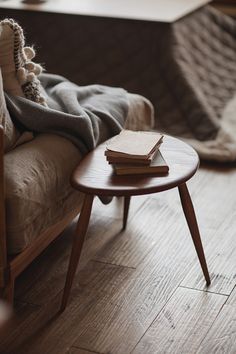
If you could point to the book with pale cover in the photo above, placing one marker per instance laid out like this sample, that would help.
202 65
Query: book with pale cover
157 166
133 144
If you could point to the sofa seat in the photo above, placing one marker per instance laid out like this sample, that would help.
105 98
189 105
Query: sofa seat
38 192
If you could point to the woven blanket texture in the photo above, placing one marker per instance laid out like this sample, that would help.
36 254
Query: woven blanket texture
199 67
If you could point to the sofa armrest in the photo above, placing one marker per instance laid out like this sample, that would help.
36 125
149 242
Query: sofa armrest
3 246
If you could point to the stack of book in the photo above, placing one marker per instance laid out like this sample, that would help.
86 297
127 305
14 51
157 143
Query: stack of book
136 152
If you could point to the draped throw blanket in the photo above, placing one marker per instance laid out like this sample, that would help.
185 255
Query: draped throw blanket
86 115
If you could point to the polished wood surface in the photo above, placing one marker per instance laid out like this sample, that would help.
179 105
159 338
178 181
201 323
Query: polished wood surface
95 176
140 287
150 10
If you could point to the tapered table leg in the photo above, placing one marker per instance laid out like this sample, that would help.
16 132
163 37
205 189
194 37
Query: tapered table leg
126 211
78 241
193 227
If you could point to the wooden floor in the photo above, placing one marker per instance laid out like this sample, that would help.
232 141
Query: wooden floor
139 291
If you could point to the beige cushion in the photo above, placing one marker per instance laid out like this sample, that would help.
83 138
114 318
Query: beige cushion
38 193
11 133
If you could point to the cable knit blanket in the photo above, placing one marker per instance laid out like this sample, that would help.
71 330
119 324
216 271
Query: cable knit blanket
86 115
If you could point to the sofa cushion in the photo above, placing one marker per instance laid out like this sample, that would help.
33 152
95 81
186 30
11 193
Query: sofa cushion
38 192
11 134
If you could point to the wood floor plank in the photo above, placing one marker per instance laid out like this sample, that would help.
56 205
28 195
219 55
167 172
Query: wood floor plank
222 336
182 324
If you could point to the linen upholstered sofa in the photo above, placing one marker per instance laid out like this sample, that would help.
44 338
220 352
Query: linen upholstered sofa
36 199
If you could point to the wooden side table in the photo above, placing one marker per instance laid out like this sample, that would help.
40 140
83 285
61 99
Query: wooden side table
94 176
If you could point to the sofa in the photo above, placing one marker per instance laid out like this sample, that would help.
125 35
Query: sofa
36 199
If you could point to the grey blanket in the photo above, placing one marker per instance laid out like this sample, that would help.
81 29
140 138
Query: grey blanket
86 115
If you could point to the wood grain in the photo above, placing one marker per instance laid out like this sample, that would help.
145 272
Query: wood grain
182 324
222 336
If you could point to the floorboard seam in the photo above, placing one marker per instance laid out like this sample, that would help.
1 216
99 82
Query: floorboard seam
203 290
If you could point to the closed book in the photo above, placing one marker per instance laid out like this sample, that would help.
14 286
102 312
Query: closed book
130 160
157 166
135 144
